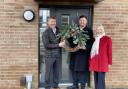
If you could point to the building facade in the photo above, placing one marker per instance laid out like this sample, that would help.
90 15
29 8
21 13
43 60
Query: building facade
21 49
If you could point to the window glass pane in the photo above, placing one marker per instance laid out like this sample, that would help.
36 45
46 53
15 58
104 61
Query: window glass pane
65 19
44 14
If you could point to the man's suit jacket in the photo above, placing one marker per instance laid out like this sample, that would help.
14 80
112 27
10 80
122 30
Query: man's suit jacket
51 43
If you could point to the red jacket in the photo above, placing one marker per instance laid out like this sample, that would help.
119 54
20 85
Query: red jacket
100 62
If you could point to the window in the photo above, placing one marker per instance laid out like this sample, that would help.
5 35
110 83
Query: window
43 15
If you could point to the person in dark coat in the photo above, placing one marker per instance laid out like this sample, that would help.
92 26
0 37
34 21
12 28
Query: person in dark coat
79 65
101 56
52 54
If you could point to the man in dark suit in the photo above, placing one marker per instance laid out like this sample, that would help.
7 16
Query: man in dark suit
79 65
52 54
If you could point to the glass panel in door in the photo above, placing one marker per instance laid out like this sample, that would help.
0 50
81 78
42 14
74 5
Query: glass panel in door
44 13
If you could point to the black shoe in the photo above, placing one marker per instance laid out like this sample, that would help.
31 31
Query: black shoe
56 88
82 87
73 87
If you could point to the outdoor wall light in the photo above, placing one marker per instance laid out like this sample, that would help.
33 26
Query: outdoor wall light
28 15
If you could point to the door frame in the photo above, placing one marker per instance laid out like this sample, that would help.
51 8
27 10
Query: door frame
53 7
52 12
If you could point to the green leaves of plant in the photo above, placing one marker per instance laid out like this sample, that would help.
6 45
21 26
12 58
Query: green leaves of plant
79 36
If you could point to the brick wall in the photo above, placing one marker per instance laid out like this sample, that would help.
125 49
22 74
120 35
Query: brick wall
113 14
18 43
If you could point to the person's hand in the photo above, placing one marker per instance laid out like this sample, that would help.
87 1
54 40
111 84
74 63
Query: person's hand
109 66
81 47
62 44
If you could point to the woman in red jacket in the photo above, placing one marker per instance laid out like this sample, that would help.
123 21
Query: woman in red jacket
101 56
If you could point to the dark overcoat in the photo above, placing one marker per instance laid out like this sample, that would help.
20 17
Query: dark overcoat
79 60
